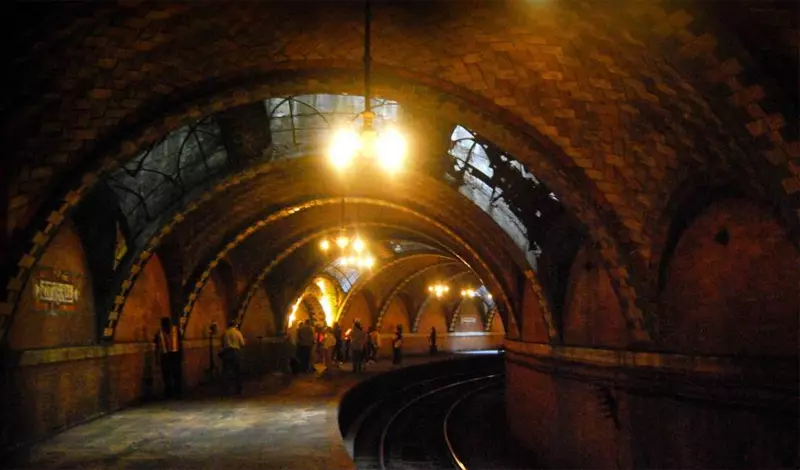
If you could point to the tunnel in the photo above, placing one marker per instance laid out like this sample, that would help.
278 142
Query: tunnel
590 208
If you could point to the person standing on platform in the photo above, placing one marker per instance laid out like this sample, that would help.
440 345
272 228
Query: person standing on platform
305 341
337 349
432 342
397 346
357 340
375 341
232 344
168 349
328 343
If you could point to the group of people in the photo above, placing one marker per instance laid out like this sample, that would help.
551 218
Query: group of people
334 346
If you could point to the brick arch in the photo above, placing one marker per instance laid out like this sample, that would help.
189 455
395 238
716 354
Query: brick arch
421 309
449 107
621 42
500 244
456 311
453 327
291 249
397 291
197 285
227 278
314 307
392 317
364 281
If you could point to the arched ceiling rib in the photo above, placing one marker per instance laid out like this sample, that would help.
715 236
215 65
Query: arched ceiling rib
408 281
603 88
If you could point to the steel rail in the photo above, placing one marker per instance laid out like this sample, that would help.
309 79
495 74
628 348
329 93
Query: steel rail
385 432
453 456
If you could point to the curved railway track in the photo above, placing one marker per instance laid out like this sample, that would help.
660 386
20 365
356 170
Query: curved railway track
408 428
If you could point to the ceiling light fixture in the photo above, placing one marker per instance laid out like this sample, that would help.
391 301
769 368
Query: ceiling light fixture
388 147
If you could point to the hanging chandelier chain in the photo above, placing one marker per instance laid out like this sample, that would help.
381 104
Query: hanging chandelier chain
367 57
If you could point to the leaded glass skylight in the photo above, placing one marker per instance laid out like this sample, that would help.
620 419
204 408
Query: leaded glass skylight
168 173
480 182
302 122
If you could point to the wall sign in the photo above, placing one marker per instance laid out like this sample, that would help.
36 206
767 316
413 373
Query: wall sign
468 319
55 289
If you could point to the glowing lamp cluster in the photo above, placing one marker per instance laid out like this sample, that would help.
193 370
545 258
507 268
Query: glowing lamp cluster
388 148
352 250
468 293
439 289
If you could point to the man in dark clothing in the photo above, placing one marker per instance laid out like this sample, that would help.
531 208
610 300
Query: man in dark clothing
357 340
337 349
168 354
305 341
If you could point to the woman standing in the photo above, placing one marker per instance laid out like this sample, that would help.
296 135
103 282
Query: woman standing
328 343
397 345
432 342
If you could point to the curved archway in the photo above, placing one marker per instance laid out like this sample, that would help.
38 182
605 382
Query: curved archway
482 266
431 297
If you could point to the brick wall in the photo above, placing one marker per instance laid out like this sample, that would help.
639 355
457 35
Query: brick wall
533 327
48 325
560 419
469 318
358 308
147 303
555 407
210 306
259 319
732 285
396 314
592 315
415 344
433 314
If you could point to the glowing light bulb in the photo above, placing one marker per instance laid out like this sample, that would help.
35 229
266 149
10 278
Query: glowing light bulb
430 288
391 149
370 261
324 245
358 245
344 147
489 296
342 241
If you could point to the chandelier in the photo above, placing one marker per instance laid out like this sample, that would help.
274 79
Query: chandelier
439 289
469 293
388 147
351 250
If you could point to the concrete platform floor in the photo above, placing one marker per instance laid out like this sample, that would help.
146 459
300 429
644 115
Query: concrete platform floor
280 422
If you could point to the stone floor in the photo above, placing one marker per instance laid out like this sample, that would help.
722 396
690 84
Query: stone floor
280 422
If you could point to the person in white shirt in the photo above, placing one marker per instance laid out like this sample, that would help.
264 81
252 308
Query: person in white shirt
232 344
328 343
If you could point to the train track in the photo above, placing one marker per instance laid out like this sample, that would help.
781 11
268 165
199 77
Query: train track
408 428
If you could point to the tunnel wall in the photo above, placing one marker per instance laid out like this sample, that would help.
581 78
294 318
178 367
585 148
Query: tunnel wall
719 389
469 318
732 285
58 375
396 314
417 343
592 315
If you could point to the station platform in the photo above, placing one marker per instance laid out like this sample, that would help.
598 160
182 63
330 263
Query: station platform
281 421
